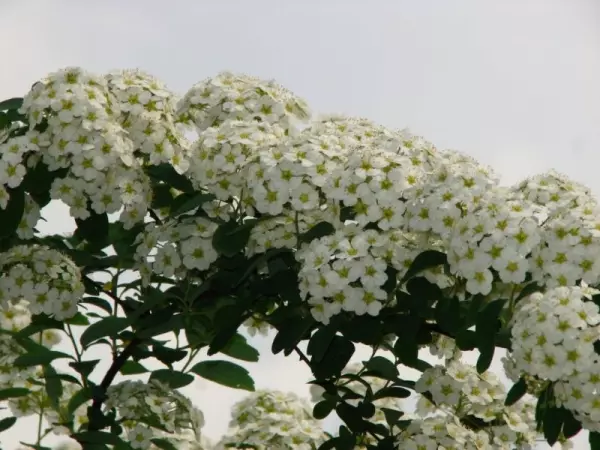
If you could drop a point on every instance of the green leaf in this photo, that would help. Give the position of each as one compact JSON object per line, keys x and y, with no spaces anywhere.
{"x":423,"y":294}
{"x":336,"y":358}
{"x":162,"y":197}
{"x":448,"y":314}
{"x":167,"y":174}
{"x":38,"y":181}
{"x":99,"y":302}
{"x":39,"y":358}
{"x":160,"y":322}
{"x":318,"y":231}
{"x":319,"y":343}
{"x":84,"y":367}
{"x":486,"y":328}
{"x":382,"y":367}
{"x":97,"y":437}
{"x":529,"y":289}
{"x":108,"y":327}
{"x":183,"y":203}
{"x":167,"y":355}
{"x":5,"y":394}
{"x":366,"y":409}
{"x":122,"y":240}
{"x":239,"y":348}
{"x":231,"y":238}
{"x":392,"y":416}
{"x":393,"y":392}
{"x":425,"y":260}
{"x":11,"y":216}
{"x":164,"y":444}
{"x":465,"y":340}
{"x":322,"y":409}
{"x":78,"y":320}
{"x":552,"y":425}
{"x":594,"y":440}
{"x":485,"y":359}
{"x":80,"y":397}
{"x":11,"y":103}
{"x":406,"y":347}
{"x":7,"y":422}
{"x":351,"y":417}
{"x":290,"y":333}
{"x":172,"y":378}
{"x":228,"y":320}
{"x":54,"y":388}
{"x":94,"y":229}
{"x":571,"y":425}
{"x":516,"y":392}
{"x":225,"y":373}
{"x":363,"y":329}
{"x":330,"y":444}
{"x":132,"y":368}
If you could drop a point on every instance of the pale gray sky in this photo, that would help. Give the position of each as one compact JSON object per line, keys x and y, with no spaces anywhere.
{"x":514,"y":83}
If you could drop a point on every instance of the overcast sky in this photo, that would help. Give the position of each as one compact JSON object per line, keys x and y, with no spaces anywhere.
{"x":514,"y":83}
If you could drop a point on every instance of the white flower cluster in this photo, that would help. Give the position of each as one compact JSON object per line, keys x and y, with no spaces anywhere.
{"x":273,"y":420}
{"x":176,"y":247}
{"x":47,"y":279}
{"x":239,"y":97}
{"x":185,"y":440}
{"x":433,"y":433}
{"x":135,"y":400}
{"x":348,"y":269}
{"x":15,"y":317}
{"x":553,"y":338}
{"x":148,"y":115}
{"x":444,"y":348}
{"x":458,"y":390}
{"x":553,"y":333}
{"x":100,"y":131}
{"x":11,"y":376}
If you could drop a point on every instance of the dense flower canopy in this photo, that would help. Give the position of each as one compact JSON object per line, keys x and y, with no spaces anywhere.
{"x":233,"y":209}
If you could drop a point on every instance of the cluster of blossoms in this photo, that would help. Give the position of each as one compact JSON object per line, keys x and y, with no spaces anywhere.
{"x":136,"y":400}
{"x":432,"y":433}
{"x":273,"y":420}
{"x":97,"y":134}
{"x":239,"y":97}
{"x":47,"y":279}
{"x":553,"y":336}
{"x":444,"y":348}
{"x":343,"y":272}
{"x":15,"y":317}
{"x":176,"y":247}
{"x":181,"y":441}
{"x":148,"y":115}
{"x":388,"y":196}
{"x":457,"y":390}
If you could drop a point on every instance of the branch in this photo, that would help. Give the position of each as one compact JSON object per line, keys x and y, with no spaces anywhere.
{"x":303,"y":357}
{"x":109,"y":377}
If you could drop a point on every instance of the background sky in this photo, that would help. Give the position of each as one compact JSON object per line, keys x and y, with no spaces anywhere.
{"x":514,"y":83}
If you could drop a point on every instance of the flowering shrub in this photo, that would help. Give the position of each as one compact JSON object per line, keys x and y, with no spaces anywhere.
{"x":231,"y":211}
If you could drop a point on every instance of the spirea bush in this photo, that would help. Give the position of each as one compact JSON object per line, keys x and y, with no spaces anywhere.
{"x":203,"y":219}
